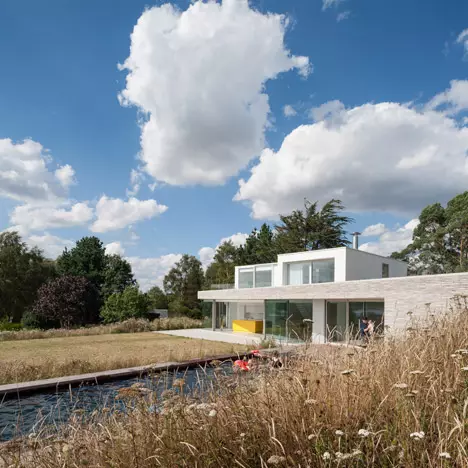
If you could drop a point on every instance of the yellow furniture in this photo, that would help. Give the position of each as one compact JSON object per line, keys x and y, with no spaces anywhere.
{"x":247,"y":326}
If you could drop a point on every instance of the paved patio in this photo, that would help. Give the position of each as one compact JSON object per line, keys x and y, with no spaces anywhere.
{"x":226,"y":336}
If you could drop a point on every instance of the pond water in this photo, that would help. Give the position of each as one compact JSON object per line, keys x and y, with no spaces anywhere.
{"x":19,"y":417}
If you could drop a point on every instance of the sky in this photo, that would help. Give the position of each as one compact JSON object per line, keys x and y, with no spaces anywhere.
{"x":166,"y":128}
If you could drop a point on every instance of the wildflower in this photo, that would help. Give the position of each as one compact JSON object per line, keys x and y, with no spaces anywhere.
{"x":455,"y":356}
{"x":417,"y":435}
{"x":338,"y":455}
{"x":276,"y":460}
{"x":356,"y":453}
{"x":242,"y":434}
{"x":339,"y":433}
{"x":212,"y":413}
{"x":347,"y":372}
{"x":401,"y":386}
{"x":310,"y":402}
{"x":326,"y":456}
{"x":465,"y":369}
{"x":310,"y":436}
{"x":416,"y":372}
{"x":415,"y":392}
{"x":363,"y":433}
{"x":445,"y":455}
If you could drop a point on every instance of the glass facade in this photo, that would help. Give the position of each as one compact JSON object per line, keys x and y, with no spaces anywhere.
{"x":291,"y":319}
{"x":263,"y":277}
{"x":246,"y":278}
{"x":318,"y":271}
{"x":207,"y":311}
{"x":343,"y":318}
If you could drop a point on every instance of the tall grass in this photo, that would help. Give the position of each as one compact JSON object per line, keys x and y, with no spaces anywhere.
{"x":399,"y":403}
{"x":128,"y":326}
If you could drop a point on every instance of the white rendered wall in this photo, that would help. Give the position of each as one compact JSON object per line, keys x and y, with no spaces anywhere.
{"x":362,"y":265}
{"x":319,"y":318}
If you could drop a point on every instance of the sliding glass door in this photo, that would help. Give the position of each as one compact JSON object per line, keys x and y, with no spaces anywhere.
{"x":337,"y":321}
{"x":289,"y":319}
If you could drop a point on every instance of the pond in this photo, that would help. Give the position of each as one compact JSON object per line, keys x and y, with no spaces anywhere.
{"x":20,"y":417}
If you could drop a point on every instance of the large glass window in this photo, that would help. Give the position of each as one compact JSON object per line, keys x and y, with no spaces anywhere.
{"x":323,"y":271}
{"x":276,"y":313}
{"x":207,"y":311}
{"x":291,"y":319}
{"x":263,"y":277}
{"x":336,"y":321}
{"x":246,"y":278}
{"x":298,"y":273}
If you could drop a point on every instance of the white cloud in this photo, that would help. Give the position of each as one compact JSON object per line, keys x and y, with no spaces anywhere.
{"x":206,"y":254}
{"x":25,"y":174}
{"x":136,"y":178}
{"x":151,"y":271}
{"x":198,"y":77}
{"x":114,"y":213}
{"x":330,"y":3}
{"x":65,"y":175}
{"x":114,"y":248}
{"x":52,"y":246}
{"x":392,"y":240}
{"x":329,"y":110}
{"x":376,"y":157}
{"x":27,"y":218}
{"x":374,"y":230}
{"x":289,"y":111}
{"x":453,"y":99}
{"x":343,"y":16}
{"x":463,"y":39}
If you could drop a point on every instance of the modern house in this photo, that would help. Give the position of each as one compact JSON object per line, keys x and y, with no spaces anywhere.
{"x":322,"y":294}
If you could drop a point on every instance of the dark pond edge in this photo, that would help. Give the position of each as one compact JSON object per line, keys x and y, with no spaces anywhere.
{"x":19,"y":389}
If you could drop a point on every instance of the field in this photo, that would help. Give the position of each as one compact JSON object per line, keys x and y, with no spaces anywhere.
{"x":23,"y":360}
{"x":399,"y":403}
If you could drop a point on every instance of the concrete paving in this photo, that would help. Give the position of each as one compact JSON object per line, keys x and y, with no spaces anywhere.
{"x":226,"y":336}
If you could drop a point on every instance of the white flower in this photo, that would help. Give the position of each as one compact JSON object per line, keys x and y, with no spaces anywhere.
{"x":401,"y":385}
{"x":339,"y":433}
{"x":212,"y":413}
{"x":465,"y":369}
{"x":363,"y":433}
{"x":310,"y":436}
{"x":242,"y":434}
{"x":445,"y":455}
{"x":326,"y":456}
{"x":338,"y":455}
{"x":417,"y":435}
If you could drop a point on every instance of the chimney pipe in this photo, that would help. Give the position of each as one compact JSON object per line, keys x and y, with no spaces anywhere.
{"x":356,"y":240}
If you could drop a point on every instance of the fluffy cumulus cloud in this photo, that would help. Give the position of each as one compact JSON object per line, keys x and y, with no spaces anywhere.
{"x":114,"y":213}
{"x":389,"y":240}
{"x":26,"y":218}
{"x":376,"y":157}
{"x":198,"y":76}
{"x":463,"y":40}
{"x":453,"y":100}
{"x":206,"y":254}
{"x":52,"y":246}
{"x":114,"y":248}
{"x":374,"y":230}
{"x":151,"y":271}
{"x":26,"y":175}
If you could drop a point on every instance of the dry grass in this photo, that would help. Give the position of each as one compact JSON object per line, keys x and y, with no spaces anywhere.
{"x":39,"y":359}
{"x":128,"y":326}
{"x":397,"y":404}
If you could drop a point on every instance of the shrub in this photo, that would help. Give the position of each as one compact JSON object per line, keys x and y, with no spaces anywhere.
{"x":70,"y":300}
{"x":8,"y":326}
{"x":131,"y":303}
{"x":31,"y":321}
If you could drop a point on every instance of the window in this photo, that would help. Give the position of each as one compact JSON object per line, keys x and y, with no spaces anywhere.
{"x":298,"y":273}
{"x":385,"y":270}
{"x":323,"y":271}
{"x":246,"y":278}
{"x":263,"y":277}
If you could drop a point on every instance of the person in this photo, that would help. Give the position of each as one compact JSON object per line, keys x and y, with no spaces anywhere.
{"x":363,"y":324}
{"x":369,"y":331}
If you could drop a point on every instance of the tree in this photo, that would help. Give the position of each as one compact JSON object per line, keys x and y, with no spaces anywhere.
{"x":22,"y":272}
{"x":184,"y":281}
{"x":87,"y":258}
{"x":156,"y":298}
{"x":221,"y":270}
{"x":69,"y":300}
{"x":117,"y":275}
{"x":440,"y":241}
{"x":131,"y":303}
{"x":311,"y":229}
{"x":260,"y":247}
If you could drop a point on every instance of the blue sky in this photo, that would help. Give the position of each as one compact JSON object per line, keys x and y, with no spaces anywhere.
{"x":211,"y":91}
